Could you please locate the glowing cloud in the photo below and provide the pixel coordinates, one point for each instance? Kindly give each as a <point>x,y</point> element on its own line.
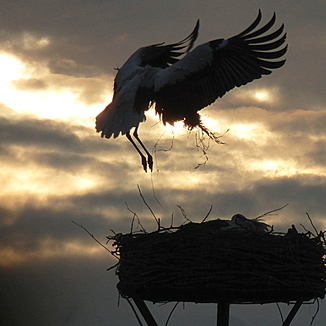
<point>36,91</point>
<point>30,41</point>
<point>10,68</point>
<point>262,95</point>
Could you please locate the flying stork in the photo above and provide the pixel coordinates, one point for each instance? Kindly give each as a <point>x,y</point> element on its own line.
<point>179,88</point>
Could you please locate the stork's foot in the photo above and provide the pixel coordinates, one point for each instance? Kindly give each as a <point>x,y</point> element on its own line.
<point>150,162</point>
<point>147,162</point>
<point>144,163</point>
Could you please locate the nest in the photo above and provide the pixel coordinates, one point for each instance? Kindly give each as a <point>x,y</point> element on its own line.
<point>199,262</point>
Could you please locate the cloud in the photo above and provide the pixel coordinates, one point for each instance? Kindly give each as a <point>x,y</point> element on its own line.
<point>86,90</point>
<point>69,67</point>
<point>55,168</point>
<point>38,132</point>
<point>29,84</point>
<point>103,41</point>
<point>62,300</point>
<point>318,153</point>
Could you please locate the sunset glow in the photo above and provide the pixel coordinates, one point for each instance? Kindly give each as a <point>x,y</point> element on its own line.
<point>246,130</point>
<point>262,95</point>
<point>45,182</point>
<point>44,100</point>
<point>11,69</point>
<point>50,250</point>
<point>58,61</point>
<point>258,95</point>
<point>63,104</point>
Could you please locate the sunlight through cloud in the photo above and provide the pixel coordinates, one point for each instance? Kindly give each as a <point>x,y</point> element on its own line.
<point>252,131</point>
<point>260,95</point>
<point>11,69</point>
<point>30,41</point>
<point>48,249</point>
<point>48,95</point>
<point>43,182</point>
<point>283,168</point>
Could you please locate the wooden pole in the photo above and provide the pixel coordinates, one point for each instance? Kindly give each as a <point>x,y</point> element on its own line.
<point>223,312</point>
<point>292,313</point>
<point>141,305</point>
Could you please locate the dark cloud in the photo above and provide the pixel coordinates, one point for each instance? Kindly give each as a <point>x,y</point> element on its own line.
<point>302,124</point>
<point>69,162</point>
<point>48,134</point>
<point>32,225</point>
<point>318,153</point>
<point>71,68</point>
<point>61,299</point>
<point>34,132</point>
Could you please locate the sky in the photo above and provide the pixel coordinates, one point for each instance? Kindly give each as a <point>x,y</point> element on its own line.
<point>57,63</point>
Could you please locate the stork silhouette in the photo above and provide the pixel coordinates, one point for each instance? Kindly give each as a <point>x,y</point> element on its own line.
<point>178,88</point>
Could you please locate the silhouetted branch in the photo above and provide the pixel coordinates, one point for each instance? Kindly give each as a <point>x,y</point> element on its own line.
<point>133,219</point>
<point>134,311</point>
<point>91,235</point>
<point>170,314</point>
<point>314,316</point>
<point>270,212</point>
<point>312,224</point>
<point>183,212</point>
<point>142,197</point>
<point>207,214</point>
<point>153,191</point>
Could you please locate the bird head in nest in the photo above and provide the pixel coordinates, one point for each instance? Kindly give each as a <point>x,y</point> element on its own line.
<point>255,225</point>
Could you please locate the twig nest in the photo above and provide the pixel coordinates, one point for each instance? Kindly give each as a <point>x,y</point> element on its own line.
<point>215,262</point>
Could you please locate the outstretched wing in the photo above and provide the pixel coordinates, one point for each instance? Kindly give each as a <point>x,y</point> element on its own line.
<point>214,68</point>
<point>162,56</point>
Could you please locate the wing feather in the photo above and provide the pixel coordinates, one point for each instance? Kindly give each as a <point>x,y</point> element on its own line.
<point>162,56</point>
<point>269,46</point>
<point>266,38</point>
<point>270,55</point>
<point>214,68</point>
<point>261,30</point>
<point>252,26</point>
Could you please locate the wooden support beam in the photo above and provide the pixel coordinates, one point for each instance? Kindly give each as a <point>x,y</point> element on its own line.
<point>223,313</point>
<point>292,313</point>
<point>141,305</point>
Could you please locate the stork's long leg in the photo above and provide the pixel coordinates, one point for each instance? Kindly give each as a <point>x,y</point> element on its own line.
<point>143,158</point>
<point>149,156</point>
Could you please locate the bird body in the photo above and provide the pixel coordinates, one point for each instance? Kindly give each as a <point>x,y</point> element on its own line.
<point>120,115</point>
<point>253,225</point>
<point>237,222</point>
<point>179,88</point>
